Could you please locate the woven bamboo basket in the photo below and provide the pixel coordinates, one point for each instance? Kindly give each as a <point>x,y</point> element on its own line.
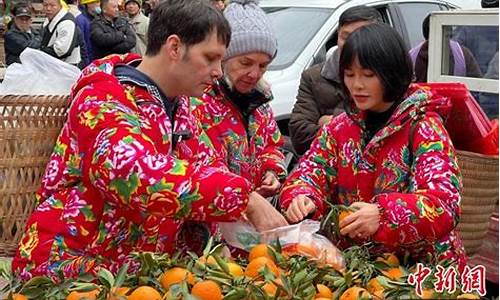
<point>29,126</point>
<point>480,197</point>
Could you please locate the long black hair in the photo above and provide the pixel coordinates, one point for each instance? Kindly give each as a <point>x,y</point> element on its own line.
<point>378,47</point>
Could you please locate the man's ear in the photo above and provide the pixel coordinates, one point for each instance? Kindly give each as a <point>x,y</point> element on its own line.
<point>174,46</point>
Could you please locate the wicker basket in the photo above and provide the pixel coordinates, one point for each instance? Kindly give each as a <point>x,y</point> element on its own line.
<point>29,126</point>
<point>480,179</point>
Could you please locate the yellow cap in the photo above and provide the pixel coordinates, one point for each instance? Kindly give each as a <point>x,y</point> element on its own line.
<point>64,4</point>
<point>83,2</point>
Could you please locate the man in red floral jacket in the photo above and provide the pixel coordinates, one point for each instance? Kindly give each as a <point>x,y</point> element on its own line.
<point>131,165</point>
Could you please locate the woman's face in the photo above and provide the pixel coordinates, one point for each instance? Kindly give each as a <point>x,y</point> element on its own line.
<point>365,87</point>
<point>246,70</point>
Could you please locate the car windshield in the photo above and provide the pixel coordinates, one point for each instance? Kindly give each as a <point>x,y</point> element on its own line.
<point>294,28</point>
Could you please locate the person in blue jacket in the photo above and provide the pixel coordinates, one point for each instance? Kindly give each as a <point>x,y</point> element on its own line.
<point>89,10</point>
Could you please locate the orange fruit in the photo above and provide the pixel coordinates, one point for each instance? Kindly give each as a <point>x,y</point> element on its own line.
<point>207,290</point>
<point>234,269</point>
<point>428,294</point>
<point>323,291</point>
<point>344,214</point>
<point>355,293</point>
<point>468,296</point>
<point>374,286</point>
<point>269,287</point>
<point>255,265</point>
<point>394,273</point>
<point>210,261</point>
<point>19,297</point>
<point>145,293</point>
<point>301,249</point>
<point>260,250</point>
<point>116,293</point>
<point>378,295</point>
<point>389,258</point>
<point>322,298</point>
<point>175,275</point>
<point>91,295</point>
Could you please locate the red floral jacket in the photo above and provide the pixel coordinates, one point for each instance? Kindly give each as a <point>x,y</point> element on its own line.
<point>417,189</point>
<point>115,185</point>
<point>243,131</point>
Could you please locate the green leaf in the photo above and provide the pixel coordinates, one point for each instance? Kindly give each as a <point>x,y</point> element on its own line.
<point>106,278</point>
<point>37,281</point>
<point>122,273</point>
<point>235,294</point>
<point>207,249</point>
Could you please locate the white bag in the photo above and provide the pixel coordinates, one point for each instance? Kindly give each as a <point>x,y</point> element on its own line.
<point>300,238</point>
<point>39,74</point>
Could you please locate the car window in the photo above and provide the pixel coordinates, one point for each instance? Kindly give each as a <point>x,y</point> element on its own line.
<point>294,28</point>
<point>478,55</point>
<point>413,14</point>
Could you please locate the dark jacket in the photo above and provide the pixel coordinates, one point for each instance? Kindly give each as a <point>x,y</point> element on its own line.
<point>108,37</point>
<point>319,94</point>
<point>16,41</point>
<point>471,66</point>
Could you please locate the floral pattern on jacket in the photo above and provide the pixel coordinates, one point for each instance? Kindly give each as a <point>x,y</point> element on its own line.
<point>249,145</point>
<point>418,190</point>
<point>115,185</point>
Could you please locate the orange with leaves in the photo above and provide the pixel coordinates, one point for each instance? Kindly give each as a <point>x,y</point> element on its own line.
<point>257,264</point>
<point>19,297</point>
<point>207,290</point>
<point>209,261</point>
<point>74,295</point>
<point>428,294</point>
<point>389,258</point>
<point>374,286</point>
<point>260,250</point>
<point>355,293</point>
<point>145,293</point>
<point>234,269</point>
<point>175,275</point>
<point>323,291</point>
<point>394,273</point>
<point>301,249</point>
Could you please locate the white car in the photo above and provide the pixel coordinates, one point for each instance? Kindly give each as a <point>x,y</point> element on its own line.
<point>307,29</point>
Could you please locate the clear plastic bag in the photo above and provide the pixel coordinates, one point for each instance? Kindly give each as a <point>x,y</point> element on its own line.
<point>294,239</point>
<point>39,74</point>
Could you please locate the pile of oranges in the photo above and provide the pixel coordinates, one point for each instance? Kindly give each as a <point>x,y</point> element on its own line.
<point>295,271</point>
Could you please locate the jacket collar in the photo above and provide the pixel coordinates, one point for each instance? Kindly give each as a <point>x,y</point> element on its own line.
<point>330,69</point>
<point>127,73</point>
<point>56,19</point>
<point>246,103</point>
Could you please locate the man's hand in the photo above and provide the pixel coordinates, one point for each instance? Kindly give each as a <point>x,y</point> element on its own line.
<point>262,214</point>
<point>269,186</point>
<point>362,223</point>
<point>300,207</point>
<point>325,120</point>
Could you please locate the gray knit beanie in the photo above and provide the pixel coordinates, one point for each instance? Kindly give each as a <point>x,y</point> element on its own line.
<point>250,29</point>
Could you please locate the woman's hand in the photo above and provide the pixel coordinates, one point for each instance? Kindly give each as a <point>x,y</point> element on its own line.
<point>300,207</point>
<point>262,214</point>
<point>269,186</point>
<point>362,223</point>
